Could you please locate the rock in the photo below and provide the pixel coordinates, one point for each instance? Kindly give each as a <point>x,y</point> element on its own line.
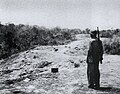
<point>55,49</point>
<point>71,61</point>
<point>24,73</point>
<point>81,61</point>
<point>54,70</point>
<point>65,46</point>
<point>76,65</point>
<point>35,57</point>
<point>72,52</point>
<point>76,48</point>
<point>23,61</point>
<point>28,63</point>
<point>27,80</point>
<point>43,64</point>
<point>27,51</point>
<point>9,82</point>
<point>17,92</point>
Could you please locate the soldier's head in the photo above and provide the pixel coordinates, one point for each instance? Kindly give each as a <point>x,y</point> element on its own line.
<point>93,34</point>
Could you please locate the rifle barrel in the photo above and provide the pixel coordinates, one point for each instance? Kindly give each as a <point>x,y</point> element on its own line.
<point>98,33</point>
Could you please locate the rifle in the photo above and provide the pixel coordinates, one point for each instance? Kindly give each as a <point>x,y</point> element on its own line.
<point>98,33</point>
<point>98,39</point>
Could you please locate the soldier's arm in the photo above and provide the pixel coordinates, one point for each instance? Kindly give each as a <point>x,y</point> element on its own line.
<point>102,50</point>
<point>101,54</point>
<point>90,49</point>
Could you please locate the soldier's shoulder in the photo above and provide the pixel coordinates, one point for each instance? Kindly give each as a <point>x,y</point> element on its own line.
<point>92,40</point>
<point>99,40</point>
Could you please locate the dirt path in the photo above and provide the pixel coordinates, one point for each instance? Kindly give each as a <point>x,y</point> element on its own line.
<point>30,71</point>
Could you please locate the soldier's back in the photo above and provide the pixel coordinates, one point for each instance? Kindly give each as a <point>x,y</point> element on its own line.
<point>96,48</point>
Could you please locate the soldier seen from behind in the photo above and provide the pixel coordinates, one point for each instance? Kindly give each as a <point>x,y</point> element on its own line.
<point>95,55</point>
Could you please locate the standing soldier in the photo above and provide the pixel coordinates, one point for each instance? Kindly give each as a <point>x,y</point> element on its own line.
<point>95,54</point>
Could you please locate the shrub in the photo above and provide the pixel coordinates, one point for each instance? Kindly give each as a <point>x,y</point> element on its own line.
<point>16,38</point>
<point>109,33</point>
<point>112,45</point>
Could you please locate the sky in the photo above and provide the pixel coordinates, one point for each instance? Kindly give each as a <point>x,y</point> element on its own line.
<point>63,13</point>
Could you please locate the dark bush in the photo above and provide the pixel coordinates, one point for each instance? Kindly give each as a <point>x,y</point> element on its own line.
<point>112,45</point>
<point>109,33</point>
<point>16,38</point>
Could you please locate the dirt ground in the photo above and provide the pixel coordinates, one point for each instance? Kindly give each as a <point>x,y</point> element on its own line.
<point>29,72</point>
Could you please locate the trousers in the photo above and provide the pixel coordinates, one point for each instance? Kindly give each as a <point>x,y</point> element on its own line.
<point>93,74</point>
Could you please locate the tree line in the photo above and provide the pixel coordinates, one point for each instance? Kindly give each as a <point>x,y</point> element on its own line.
<point>16,38</point>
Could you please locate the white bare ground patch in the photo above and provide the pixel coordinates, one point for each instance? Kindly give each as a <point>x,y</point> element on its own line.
<point>29,72</point>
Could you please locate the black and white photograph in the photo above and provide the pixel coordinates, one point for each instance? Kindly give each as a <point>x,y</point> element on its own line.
<point>59,46</point>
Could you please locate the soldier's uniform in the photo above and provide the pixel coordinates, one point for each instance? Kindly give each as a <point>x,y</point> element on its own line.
<point>95,54</point>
